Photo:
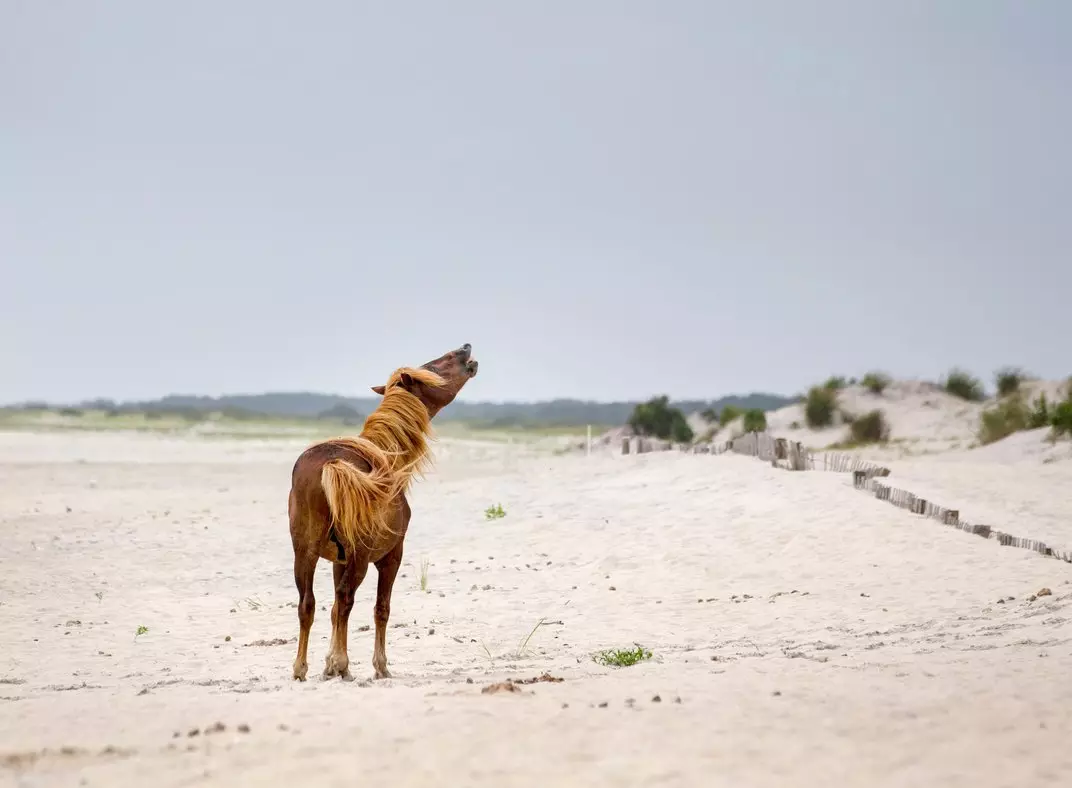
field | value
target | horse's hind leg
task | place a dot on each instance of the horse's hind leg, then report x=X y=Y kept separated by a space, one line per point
x=347 y=578
x=386 y=570
x=304 y=571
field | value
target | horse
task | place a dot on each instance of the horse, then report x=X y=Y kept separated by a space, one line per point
x=348 y=502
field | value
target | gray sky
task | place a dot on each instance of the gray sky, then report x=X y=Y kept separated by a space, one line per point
x=609 y=199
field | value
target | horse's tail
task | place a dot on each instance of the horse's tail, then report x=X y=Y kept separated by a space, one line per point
x=359 y=501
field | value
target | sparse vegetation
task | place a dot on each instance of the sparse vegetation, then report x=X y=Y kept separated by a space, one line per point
x=1040 y=413
x=964 y=385
x=728 y=414
x=1013 y=414
x=755 y=420
x=524 y=644
x=141 y=630
x=424 y=574
x=622 y=658
x=819 y=406
x=495 y=512
x=1061 y=418
x=1008 y=381
x=870 y=428
x=835 y=383
x=876 y=382
x=658 y=418
x=710 y=415
x=1008 y=416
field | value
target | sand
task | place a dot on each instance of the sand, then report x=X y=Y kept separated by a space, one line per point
x=801 y=632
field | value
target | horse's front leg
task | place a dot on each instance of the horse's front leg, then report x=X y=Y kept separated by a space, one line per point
x=387 y=570
x=347 y=579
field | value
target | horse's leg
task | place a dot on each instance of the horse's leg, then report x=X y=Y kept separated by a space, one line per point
x=304 y=571
x=386 y=570
x=347 y=578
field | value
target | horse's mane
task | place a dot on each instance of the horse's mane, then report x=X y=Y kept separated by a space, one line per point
x=394 y=442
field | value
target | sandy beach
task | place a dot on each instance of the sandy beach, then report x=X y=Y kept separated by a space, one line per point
x=801 y=632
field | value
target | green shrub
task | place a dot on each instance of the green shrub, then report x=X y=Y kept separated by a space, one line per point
x=1008 y=381
x=728 y=414
x=710 y=415
x=870 y=428
x=876 y=382
x=962 y=384
x=819 y=406
x=1040 y=413
x=1061 y=418
x=1008 y=416
x=656 y=417
x=835 y=383
x=755 y=420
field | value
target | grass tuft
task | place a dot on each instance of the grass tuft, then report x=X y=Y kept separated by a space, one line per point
x=622 y=658
x=495 y=512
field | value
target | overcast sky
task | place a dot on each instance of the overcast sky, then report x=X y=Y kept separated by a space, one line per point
x=608 y=199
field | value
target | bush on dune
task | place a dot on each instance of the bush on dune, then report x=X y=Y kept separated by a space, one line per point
x=1008 y=381
x=870 y=428
x=819 y=406
x=728 y=414
x=876 y=382
x=964 y=385
x=755 y=420
x=658 y=418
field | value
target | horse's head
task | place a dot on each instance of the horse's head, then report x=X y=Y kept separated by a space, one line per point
x=455 y=368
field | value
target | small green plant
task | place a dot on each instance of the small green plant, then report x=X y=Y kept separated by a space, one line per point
x=755 y=420
x=795 y=425
x=99 y=595
x=728 y=414
x=622 y=658
x=424 y=574
x=1008 y=381
x=876 y=382
x=1061 y=418
x=495 y=512
x=835 y=383
x=141 y=630
x=819 y=406
x=964 y=385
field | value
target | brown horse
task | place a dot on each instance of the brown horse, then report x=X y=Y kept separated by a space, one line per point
x=348 y=502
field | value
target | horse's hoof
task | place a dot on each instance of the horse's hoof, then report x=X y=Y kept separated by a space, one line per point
x=337 y=666
x=383 y=674
x=300 y=672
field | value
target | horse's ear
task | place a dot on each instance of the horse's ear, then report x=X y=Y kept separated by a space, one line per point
x=379 y=390
x=406 y=380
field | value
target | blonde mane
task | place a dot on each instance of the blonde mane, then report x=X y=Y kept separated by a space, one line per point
x=394 y=442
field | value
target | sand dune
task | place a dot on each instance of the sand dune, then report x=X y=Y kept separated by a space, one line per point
x=801 y=632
